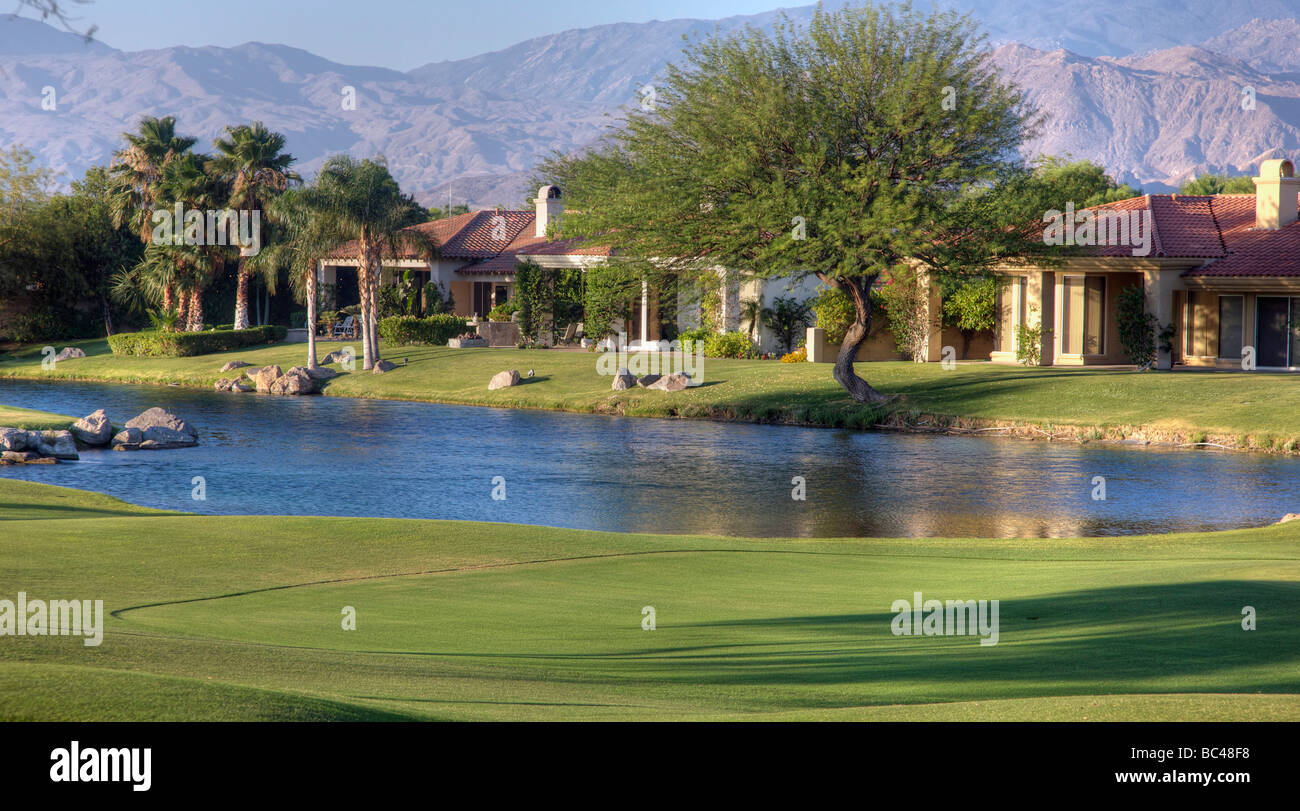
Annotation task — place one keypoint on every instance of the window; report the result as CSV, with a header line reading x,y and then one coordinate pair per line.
x,y
1083,315
1012,301
1231,321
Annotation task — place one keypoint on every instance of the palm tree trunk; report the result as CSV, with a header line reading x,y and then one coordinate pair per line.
x,y
196,310
168,298
182,311
374,316
311,317
363,288
241,296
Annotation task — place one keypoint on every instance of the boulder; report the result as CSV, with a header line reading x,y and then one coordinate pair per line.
x,y
647,380
93,429
239,386
383,366
128,439
18,457
624,380
234,364
673,382
321,373
334,357
224,384
265,376
161,418
70,352
502,380
57,444
1290,517
160,437
294,382
15,439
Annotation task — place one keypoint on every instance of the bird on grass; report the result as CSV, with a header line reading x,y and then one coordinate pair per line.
x,y
530,372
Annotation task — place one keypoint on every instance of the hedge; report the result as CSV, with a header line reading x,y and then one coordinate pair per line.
x,y
188,344
409,329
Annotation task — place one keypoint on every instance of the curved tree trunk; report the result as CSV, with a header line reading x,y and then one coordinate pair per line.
x,y
241,296
311,318
859,291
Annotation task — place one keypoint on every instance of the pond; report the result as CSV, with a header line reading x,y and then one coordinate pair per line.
x,y
338,456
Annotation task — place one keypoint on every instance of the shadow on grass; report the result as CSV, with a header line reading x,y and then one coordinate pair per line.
x,y
1099,640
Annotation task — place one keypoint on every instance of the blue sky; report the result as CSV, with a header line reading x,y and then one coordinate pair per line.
x,y
400,34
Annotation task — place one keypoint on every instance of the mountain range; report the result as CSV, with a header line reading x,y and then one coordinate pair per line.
x,y
1153,103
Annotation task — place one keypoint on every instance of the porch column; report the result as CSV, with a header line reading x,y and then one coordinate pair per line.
x,y
1160,286
933,348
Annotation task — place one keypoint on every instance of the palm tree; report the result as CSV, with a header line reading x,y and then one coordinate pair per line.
x,y
306,234
363,203
136,175
200,256
253,161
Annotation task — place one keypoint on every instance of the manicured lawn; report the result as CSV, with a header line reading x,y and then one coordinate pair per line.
x,y
221,618
1227,407
15,417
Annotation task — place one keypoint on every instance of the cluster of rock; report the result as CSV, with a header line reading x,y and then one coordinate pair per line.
x,y
70,352
19,447
155,429
677,381
274,380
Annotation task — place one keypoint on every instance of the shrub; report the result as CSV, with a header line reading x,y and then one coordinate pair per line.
x,y
407,329
835,313
188,344
729,345
688,336
1029,341
503,311
1137,327
800,355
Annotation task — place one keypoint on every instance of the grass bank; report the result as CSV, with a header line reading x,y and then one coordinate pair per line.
x,y
206,619
1247,410
15,417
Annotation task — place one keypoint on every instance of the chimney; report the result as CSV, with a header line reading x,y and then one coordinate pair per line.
x,y
549,208
1275,195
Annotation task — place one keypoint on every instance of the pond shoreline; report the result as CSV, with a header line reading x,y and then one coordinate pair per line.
x,y
898,418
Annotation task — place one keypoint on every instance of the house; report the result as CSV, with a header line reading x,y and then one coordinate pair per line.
x,y
477,254
1223,270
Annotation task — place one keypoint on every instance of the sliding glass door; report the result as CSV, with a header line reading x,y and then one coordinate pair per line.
x,y
1275,335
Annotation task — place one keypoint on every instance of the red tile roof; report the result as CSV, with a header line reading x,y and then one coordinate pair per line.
x,y
491,239
1219,228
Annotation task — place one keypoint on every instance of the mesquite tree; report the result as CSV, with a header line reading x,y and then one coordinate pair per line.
x,y
847,148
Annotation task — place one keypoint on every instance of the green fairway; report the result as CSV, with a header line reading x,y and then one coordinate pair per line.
x,y
229,618
1236,409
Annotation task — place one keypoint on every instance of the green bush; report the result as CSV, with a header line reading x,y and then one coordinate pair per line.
x,y
434,329
188,344
729,345
1137,327
503,311
688,336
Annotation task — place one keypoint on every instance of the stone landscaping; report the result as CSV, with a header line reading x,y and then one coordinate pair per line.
x,y
155,429
677,381
274,380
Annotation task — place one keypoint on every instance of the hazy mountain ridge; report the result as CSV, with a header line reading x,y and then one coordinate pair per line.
x,y
475,127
